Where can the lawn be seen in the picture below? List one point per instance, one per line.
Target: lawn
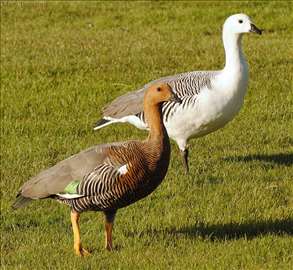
(61, 62)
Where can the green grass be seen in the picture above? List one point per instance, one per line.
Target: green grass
(61, 62)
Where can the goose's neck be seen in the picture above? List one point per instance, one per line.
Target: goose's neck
(234, 57)
(153, 114)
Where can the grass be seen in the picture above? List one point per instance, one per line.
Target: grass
(61, 62)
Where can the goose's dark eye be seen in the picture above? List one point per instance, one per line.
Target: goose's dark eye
(240, 21)
(159, 89)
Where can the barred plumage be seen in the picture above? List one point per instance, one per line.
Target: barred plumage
(111, 176)
(105, 188)
(187, 86)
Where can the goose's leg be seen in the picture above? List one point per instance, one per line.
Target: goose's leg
(182, 144)
(109, 222)
(184, 155)
(79, 250)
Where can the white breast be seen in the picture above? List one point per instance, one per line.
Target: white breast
(213, 108)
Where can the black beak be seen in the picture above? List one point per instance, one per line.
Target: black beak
(254, 29)
(175, 98)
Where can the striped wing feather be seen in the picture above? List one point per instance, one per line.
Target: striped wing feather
(100, 189)
(108, 187)
(185, 84)
(55, 179)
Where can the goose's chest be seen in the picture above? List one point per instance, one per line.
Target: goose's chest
(144, 175)
(213, 108)
(154, 174)
(218, 106)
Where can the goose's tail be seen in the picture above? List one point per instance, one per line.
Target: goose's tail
(135, 120)
(102, 123)
(20, 201)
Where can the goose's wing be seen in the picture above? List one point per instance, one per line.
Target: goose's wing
(185, 84)
(67, 174)
(114, 183)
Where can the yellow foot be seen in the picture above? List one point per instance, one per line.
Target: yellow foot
(81, 252)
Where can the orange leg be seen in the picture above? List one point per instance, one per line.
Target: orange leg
(79, 250)
(109, 222)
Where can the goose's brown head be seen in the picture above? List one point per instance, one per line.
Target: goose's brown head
(160, 93)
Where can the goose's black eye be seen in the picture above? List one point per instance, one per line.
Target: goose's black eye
(240, 21)
(159, 89)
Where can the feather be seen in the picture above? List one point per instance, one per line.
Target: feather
(20, 201)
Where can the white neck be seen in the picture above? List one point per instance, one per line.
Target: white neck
(234, 57)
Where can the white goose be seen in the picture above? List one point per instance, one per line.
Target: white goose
(210, 99)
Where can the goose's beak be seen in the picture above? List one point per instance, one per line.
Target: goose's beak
(175, 98)
(254, 29)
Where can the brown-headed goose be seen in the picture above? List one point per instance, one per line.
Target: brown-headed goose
(109, 176)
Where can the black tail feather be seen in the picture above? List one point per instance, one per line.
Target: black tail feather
(100, 123)
(20, 202)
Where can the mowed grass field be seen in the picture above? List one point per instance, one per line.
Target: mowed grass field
(61, 62)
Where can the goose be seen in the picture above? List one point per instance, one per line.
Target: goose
(210, 99)
(109, 176)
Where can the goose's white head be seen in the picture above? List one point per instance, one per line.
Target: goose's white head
(240, 23)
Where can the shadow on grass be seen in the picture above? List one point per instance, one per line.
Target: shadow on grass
(230, 231)
(247, 230)
(280, 159)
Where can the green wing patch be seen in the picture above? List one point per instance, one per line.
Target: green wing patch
(71, 188)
